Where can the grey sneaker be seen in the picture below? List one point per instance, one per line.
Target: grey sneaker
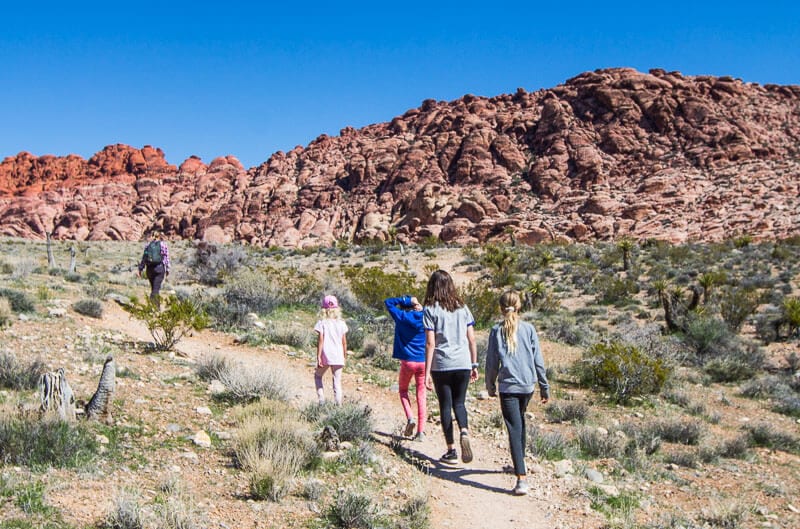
(521, 488)
(419, 437)
(409, 429)
(466, 450)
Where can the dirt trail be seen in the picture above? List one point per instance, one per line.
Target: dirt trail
(464, 495)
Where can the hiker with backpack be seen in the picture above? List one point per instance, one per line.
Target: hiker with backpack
(155, 265)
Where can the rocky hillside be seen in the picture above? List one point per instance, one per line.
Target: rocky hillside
(608, 154)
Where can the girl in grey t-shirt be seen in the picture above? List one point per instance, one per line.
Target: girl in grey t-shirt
(450, 358)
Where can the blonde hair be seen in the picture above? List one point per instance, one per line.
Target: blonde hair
(331, 314)
(510, 303)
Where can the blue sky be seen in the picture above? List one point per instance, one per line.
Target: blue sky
(249, 79)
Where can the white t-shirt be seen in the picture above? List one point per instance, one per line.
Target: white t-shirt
(332, 332)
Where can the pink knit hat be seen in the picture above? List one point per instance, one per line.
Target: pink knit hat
(330, 302)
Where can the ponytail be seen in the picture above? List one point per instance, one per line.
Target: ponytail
(510, 304)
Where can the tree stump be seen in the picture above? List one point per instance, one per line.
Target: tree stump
(56, 395)
(99, 407)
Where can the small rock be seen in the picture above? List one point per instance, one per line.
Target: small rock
(792, 508)
(563, 467)
(483, 395)
(609, 490)
(191, 456)
(215, 387)
(602, 431)
(173, 428)
(202, 439)
(224, 436)
(102, 439)
(203, 410)
(593, 475)
(57, 312)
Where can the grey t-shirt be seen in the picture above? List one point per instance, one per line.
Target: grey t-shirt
(451, 351)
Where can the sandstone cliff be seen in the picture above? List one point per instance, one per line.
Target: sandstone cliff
(610, 153)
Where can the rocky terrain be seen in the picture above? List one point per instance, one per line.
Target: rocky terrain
(608, 154)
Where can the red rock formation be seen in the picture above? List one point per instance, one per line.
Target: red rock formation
(609, 153)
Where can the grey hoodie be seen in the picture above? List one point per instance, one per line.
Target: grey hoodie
(518, 372)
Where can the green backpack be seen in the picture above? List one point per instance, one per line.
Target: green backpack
(152, 254)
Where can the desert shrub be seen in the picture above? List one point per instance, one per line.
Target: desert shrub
(597, 444)
(170, 325)
(212, 263)
(481, 299)
(19, 300)
(735, 448)
(415, 513)
(247, 383)
(211, 366)
(566, 411)
(564, 328)
(678, 398)
(351, 421)
(273, 445)
(740, 362)
(17, 374)
(790, 309)
(611, 290)
(352, 510)
(89, 307)
(641, 437)
(6, 314)
(736, 305)
(682, 459)
(292, 335)
(707, 336)
(763, 387)
(787, 405)
(547, 445)
(125, 514)
(677, 431)
(42, 443)
(372, 285)
(765, 435)
(622, 370)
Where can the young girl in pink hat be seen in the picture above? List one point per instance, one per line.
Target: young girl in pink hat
(331, 347)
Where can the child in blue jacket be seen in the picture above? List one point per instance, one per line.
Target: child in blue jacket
(409, 348)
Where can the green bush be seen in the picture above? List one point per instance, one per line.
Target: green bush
(622, 370)
(89, 307)
(42, 443)
(677, 431)
(614, 290)
(213, 264)
(372, 285)
(736, 305)
(766, 435)
(19, 300)
(169, 325)
(481, 299)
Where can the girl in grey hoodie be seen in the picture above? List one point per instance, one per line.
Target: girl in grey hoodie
(514, 363)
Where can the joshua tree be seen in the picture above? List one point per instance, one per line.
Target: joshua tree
(626, 246)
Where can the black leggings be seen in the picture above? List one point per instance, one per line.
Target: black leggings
(156, 274)
(451, 390)
(513, 406)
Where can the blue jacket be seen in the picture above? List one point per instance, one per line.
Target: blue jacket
(409, 334)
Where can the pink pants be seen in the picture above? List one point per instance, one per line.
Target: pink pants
(417, 370)
(337, 383)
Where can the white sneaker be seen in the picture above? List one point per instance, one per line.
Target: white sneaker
(521, 488)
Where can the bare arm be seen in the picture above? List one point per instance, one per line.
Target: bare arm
(473, 353)
(430, 339)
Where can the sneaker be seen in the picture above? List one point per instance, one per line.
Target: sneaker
(466, 450)
(449, 457)
(419, 437)
(521, 488)
(409, 429)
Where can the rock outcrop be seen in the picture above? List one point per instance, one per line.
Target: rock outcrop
(608, 154)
